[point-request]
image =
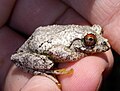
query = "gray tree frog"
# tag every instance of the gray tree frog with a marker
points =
(53, 44)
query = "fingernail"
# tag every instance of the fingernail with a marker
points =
(99, 84)
(40, 83)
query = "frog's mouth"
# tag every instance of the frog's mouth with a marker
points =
(94, 49)
(86, 50)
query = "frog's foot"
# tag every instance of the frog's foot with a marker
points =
(63, 71)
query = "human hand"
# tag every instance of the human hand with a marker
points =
(28, 15)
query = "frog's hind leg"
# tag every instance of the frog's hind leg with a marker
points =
(35, 64)
(32, 62)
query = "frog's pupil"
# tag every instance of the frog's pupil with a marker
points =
(90, 40)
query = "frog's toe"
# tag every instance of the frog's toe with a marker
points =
(63, 71)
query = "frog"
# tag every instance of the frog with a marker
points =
(54, 44)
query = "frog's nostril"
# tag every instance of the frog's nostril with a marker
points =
(104, 43)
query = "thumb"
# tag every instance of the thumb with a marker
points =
(88, 73)
(17, 80)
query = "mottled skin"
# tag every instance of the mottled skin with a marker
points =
(57, 43)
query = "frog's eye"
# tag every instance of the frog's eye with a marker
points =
(90, 40)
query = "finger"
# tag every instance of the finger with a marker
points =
(88, 73)
(29, 14)
(9, 41)
(17, 80)
(95, 11)
(103, 12)
(6, 7)
(112, 31)
(40, 83)
(72, 17)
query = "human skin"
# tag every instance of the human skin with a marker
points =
(18, 21)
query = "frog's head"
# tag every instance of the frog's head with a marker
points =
(93, 42)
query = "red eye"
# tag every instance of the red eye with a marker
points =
(90, 40)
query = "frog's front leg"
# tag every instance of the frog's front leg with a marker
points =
(61, 53)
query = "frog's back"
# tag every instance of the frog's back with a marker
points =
(45, 37)
(44, 33)
(58, 34)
